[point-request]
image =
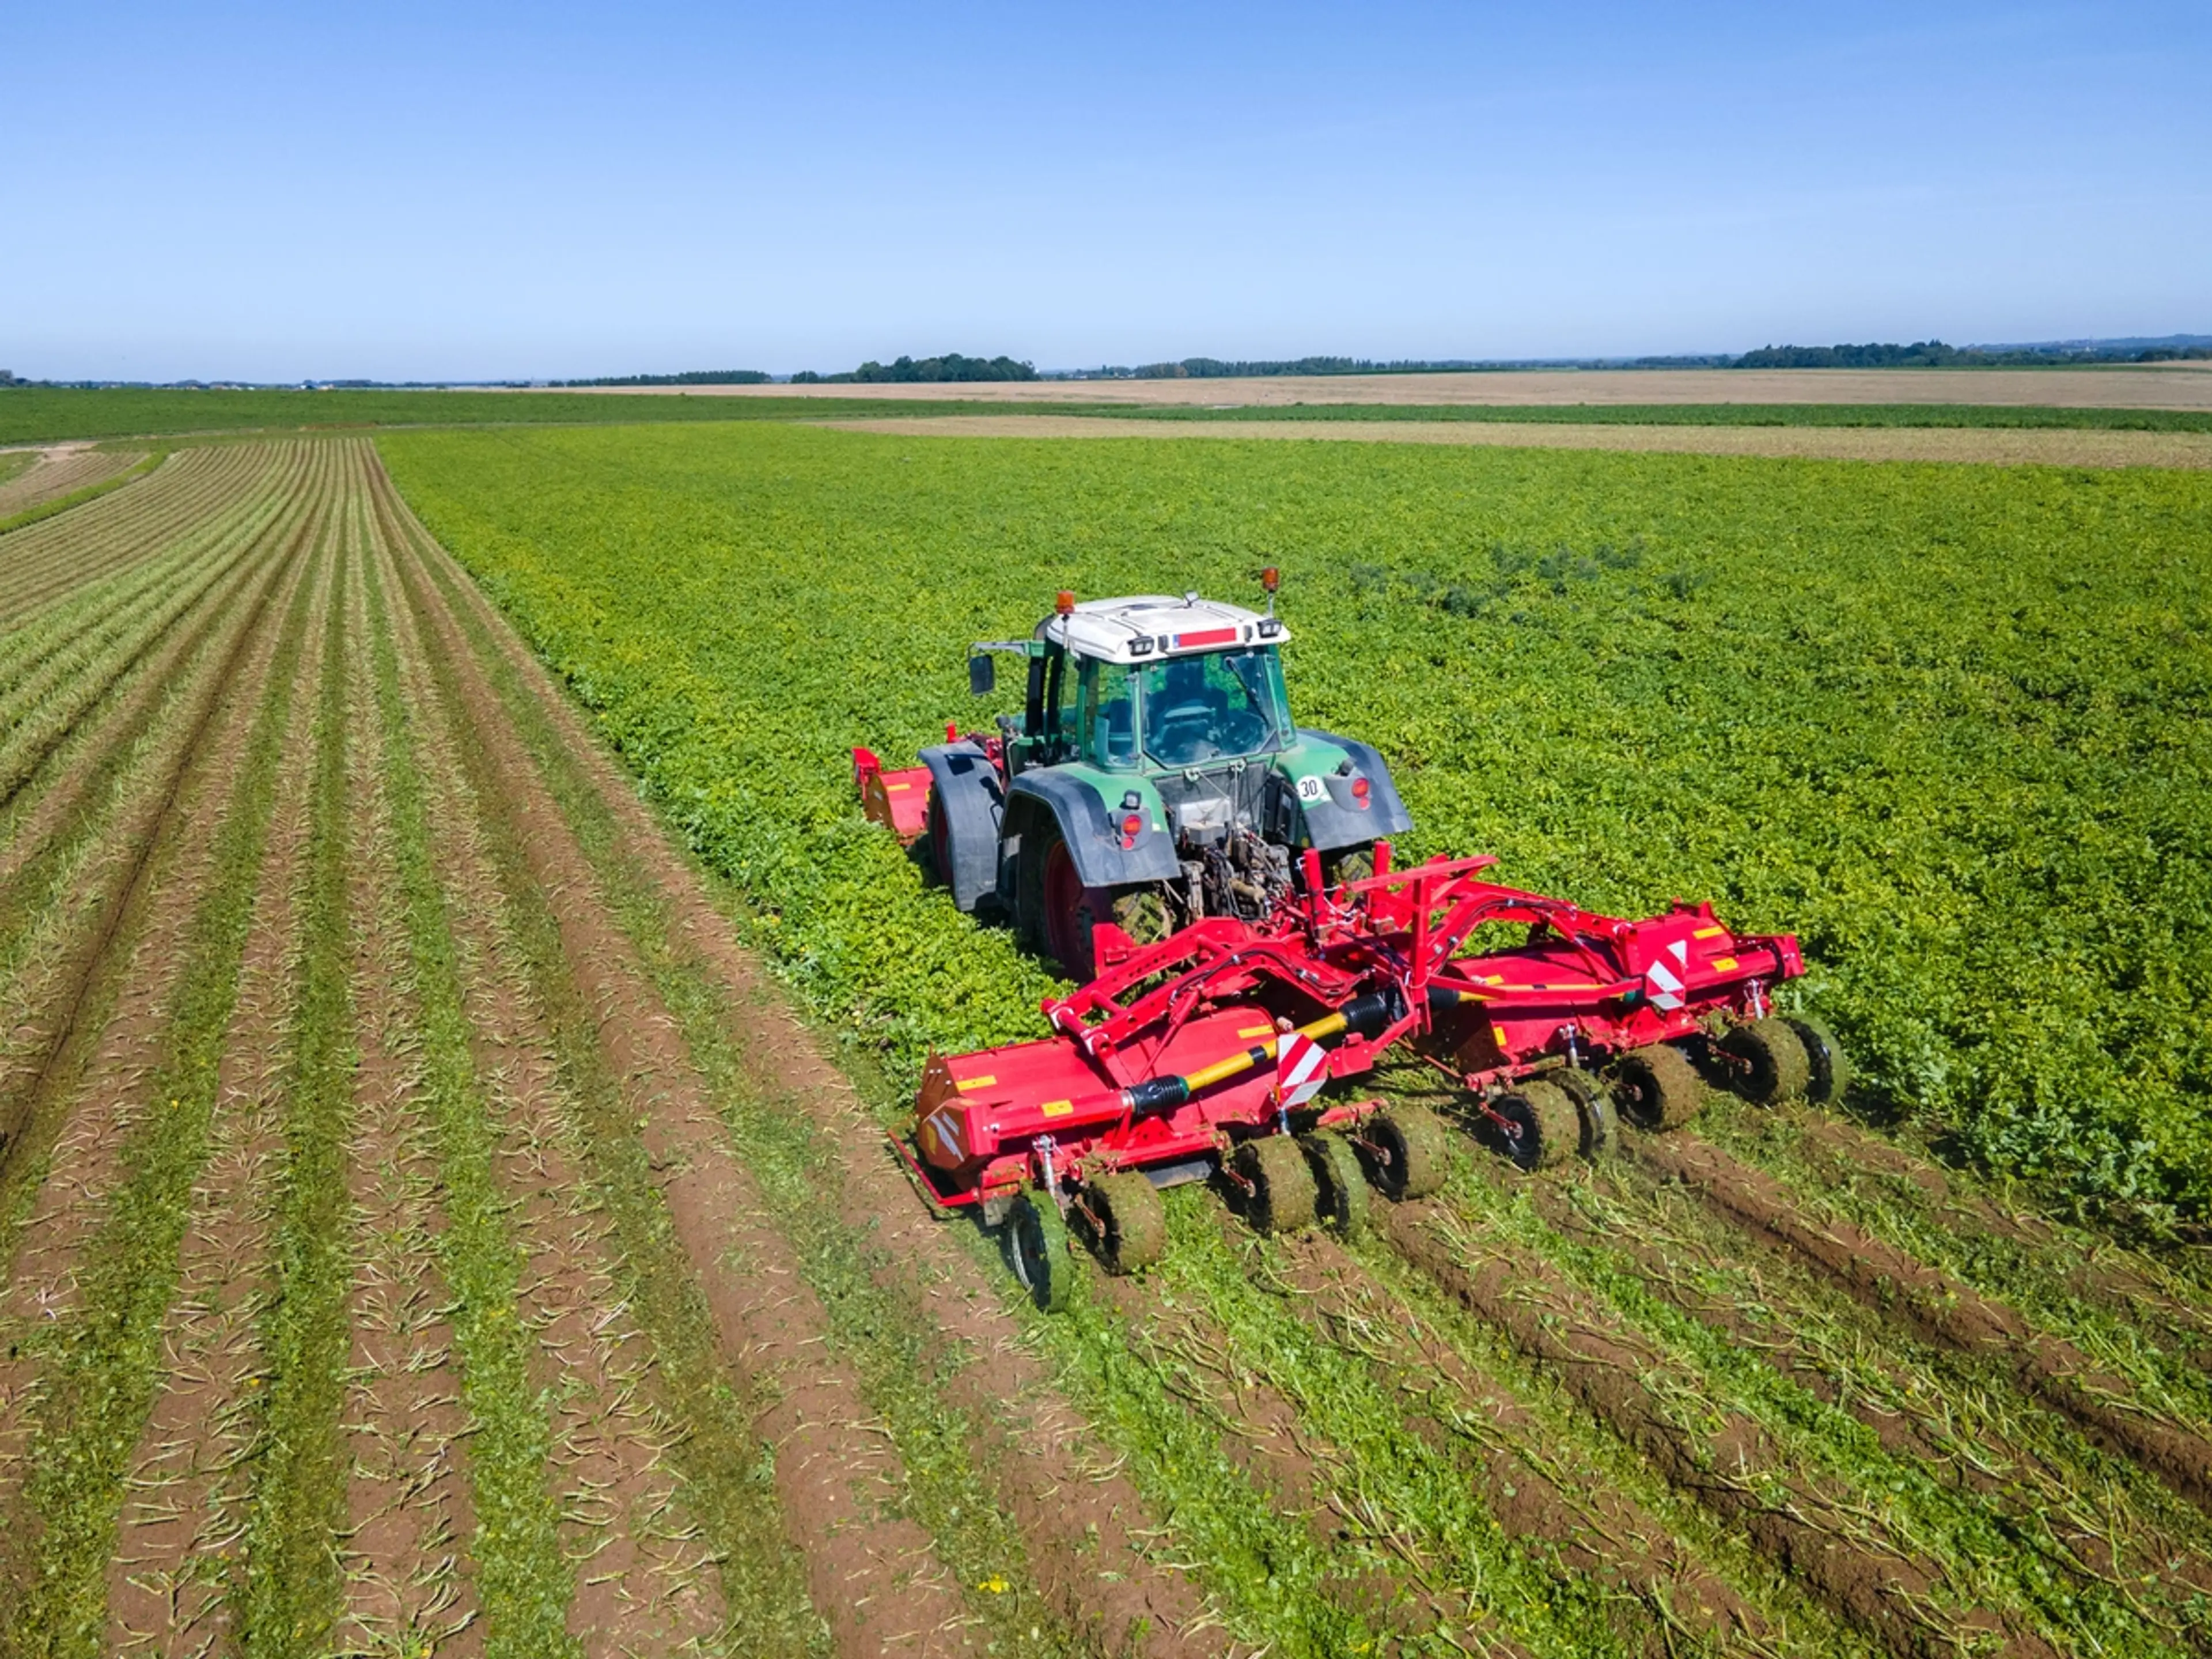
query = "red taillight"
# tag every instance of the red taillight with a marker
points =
(1132, 827)
(1360, 787)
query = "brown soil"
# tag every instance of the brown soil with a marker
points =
(873, 1576)
(1086, 1542)
(1725, 1463)
(1940, 1308)
(1984, 445)
(188, 1487)
(2131, 387)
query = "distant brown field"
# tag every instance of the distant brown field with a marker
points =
(60, 469)
(2163, 385)
(1998, 446)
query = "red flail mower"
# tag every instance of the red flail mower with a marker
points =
(1210, 1053)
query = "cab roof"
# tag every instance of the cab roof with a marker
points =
(1154, 625)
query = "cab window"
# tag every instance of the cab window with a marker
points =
(1109, 715)
(1221, 706)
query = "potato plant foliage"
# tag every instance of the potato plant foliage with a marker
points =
(1950, 724)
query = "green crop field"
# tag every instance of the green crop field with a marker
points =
(1950, 724)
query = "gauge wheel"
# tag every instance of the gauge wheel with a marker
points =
(1129, 1222)
(1767, 1061)
(1594, 1103)
(1546, 1128)
(1036, 1246)
(1280, 1193)
(1657, 1088)
(1828, 1072)
(1407, 1144)
(1341, 1182)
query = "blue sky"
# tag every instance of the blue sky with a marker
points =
(444, 192)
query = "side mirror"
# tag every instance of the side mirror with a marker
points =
(982, 676)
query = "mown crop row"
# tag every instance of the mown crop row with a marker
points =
(1950, 724)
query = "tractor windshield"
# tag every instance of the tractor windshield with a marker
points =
(1218, 706)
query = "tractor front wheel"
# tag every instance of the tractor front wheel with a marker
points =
(1657, 1087)
(1036, 1246)
(1280, 1192)
(1129, 1222)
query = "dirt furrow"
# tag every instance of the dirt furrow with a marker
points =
(644, 1578)
(408, 1503)
(184, 1515)
(873, 1574)
(1940, 1308)
(1726, 1461)
(1088, 1542)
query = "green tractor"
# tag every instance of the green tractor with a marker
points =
(1154, 777)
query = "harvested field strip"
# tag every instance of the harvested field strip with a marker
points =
(104, 1369)
(807, 1115)
(2140, 1316)
(2088, 1516)
(523, 1580)
(50, 558)
(1786, 1436)
(2153, 1426)
(63, 471)
(886, 1342)
(292, 1590)
(689, 1222)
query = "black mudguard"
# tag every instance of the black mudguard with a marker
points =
(965, 787)
(1336, 822)
(1092, 839)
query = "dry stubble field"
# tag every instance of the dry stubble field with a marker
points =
(425, 1231)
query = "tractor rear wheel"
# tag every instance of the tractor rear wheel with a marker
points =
(1768, 1063)
(1547, 1129)
(1066, 911)
(940, 837)
(1036, 1246)
(1130, 1222)
(1828, 1073)
(1657, 1088)
(1594, 1103)
(1341, 1182)
(1280, 1192)
(1407, 1144)
(1142, 912)
(1350, 864)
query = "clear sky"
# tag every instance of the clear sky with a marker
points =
(554, 190)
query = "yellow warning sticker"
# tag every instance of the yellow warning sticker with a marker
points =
(1709, 933)
(1724, 964)
(1057, 1108)
(898, 786)
(1256, 1031)
(983, 1082)
(1499, 1031)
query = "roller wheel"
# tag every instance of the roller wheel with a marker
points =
(1593, 1105)
(1657, 1088)
(1768, 1063)
(1036, 1245)
(1282, 1194)
(1828, 1072)
(1546, 1130)
(1341, 1183)
(1407, 1146)
(1131, 1222)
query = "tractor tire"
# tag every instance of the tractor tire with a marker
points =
(1280, 1194)
(936, 836)
(1593, 1105)
(1036, 1248)
(1549, 1129)
(1657, 1088)
(1130, 1224)
(1768, 1063)
(1407, 1144)
(1828, 1072)
(1142, 913)
(1349, 864)
(1341, 1182)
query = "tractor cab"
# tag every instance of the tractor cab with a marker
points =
(1155, 777)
